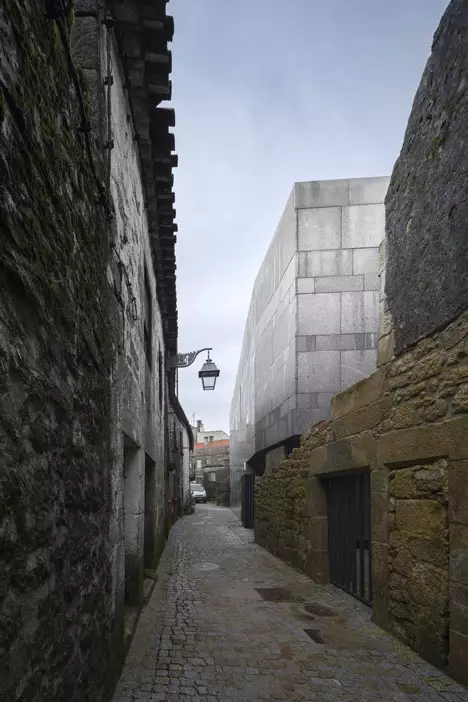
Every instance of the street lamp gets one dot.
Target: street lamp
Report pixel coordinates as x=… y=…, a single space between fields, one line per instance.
x=208 y=374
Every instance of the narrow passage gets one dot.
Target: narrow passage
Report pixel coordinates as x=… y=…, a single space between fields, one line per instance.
x=228 y=621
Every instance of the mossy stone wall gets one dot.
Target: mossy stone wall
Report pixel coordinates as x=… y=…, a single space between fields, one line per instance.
x=56 y=351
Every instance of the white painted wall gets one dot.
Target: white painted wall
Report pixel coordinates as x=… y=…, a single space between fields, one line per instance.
x=217 y=434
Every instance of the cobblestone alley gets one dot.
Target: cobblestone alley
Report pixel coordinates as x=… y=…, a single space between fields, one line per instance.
x=209 y=634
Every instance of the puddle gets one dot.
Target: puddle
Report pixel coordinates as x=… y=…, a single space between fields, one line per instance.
x=319 y=610
x=315 y=635
x=277 y=594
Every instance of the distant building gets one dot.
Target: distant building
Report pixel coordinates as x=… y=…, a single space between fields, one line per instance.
x=312 y=325
x=210 y=462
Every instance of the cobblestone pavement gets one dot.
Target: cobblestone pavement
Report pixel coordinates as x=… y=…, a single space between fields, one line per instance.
x=207 y=633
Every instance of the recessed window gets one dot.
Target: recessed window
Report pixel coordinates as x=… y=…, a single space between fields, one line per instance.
x=212 y=477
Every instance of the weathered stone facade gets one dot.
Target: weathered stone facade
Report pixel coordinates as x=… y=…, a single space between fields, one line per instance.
x=427 y=236
x=418 y=557
x=211 y=467
x=180 y=449
x=87 y=321
x=406 y=426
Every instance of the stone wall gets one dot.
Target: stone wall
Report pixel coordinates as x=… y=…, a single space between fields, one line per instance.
x=86 y=324
x=214 y=460
x=407 y=425
x=418 y=557
x=180 y=448
x=427 y=235
x=56 y=354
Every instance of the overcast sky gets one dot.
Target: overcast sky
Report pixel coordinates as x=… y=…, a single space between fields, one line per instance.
x=266 y=93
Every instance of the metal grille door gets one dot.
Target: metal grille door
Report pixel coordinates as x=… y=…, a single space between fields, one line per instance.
x=247 y=500
x=349 y=534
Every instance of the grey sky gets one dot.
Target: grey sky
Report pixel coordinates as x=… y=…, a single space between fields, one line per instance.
x=268 y=92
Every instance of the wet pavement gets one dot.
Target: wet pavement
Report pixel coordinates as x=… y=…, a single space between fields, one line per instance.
x=229 y=621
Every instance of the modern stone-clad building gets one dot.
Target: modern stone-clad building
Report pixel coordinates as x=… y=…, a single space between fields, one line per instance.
x=312 y=325
x=94 y=446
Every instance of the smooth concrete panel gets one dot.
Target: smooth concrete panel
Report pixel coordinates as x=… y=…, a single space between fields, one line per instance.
x=308 y=296
x=366 y=191
x=324 y=263
x=271 y=435
x=372 y=281
x=363 y=225
x=306 y=343
x=277 y=259
x=304 y=418
x=288 y=405
x=264 y=310
x=319 y=313
x=357 y=365
x=365 y=261
x=340 y=283
x=318 y=371
x=359 y=312
x=324 y=399
x=319 y=228
x=325 y=193
x=305 y=285
x=307 y=400
x=345 y=342
x=280 y=338
x=290 y=371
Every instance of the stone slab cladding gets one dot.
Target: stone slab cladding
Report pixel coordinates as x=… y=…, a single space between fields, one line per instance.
x=405 y=427
x=313 y=320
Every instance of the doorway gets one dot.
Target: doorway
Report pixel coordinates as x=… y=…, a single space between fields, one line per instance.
x=349 y=534
x=149 y=535
x=131 y=509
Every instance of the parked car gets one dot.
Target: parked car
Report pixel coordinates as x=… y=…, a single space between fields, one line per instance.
x=198 y=492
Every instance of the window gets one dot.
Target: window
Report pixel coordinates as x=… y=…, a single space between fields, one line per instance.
x=212 y=477
x=198 y=462
x=147 y=318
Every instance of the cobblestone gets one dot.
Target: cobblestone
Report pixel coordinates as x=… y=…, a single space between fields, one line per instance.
x=207 y=634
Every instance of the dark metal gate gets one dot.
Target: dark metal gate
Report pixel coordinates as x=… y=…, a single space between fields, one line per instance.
x=247 y=500
x=349 y=534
